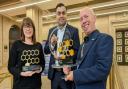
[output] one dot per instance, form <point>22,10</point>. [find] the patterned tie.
<point>86,40</point>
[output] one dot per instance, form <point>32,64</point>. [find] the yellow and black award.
<point>62,51</point>
<point>31,60</point>
<point>66,52</point>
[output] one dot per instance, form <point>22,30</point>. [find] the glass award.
<point>30,60</point>
<point>64,51</point>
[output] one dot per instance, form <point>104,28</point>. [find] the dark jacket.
<point>95,64</point>
<point>70,33</point>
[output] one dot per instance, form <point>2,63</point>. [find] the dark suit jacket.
<point>74,35</point>
<point>95,64</point>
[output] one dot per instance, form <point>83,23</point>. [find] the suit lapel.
<point>55,32</point>
<point>87,47</point>
<point>79,54</point>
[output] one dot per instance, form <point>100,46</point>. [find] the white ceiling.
<point>46,7</point>
<point>53,3</point>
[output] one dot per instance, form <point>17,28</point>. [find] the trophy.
<point>66,51</point>
<point>62,49</point>
<point>30,60</point>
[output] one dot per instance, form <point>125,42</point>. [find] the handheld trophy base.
<point>57,64</point>
<point>61,66</point>
<point>70,66</point>
<point>31,68</point>
<point>62,63</point>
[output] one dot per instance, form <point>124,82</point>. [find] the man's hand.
<point>27,73</point>
<point>55,56</point>
<point>69,76</point>
<point>54,40</point>
<point>66,69</point>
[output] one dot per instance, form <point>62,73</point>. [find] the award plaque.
<point>30,60</point>
<point>64,50</point>
<point>31,68</point>
<point>66,53</point>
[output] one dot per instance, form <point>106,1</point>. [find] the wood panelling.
<point>1,51</point>
<point>8,2</point>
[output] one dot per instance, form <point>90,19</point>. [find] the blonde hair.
<point>90,10</point>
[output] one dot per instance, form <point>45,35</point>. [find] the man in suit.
<point>95,55</point>
<point>63,31</point>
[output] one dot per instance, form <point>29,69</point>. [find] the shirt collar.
<point>63,29</point>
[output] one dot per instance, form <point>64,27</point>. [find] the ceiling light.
<point>108,5</point>
<point>21,6</point>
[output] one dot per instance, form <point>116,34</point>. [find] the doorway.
<point>14,34</point>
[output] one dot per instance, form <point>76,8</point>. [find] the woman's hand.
<point>27,73</point>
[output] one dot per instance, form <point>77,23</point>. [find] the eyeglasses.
<point>59,13</point>
<point>27,26</point>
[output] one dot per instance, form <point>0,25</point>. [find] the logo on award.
<point>31,60</point>
<point>66,51</point>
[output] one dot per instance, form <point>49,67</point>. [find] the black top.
<point>19,54</point>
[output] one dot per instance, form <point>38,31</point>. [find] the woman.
<point>26,59</point>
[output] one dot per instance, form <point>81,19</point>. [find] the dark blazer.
<point>74,35</point>
<point>95,64</point>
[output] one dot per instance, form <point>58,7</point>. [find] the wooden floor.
<point>45,83</point>
<point>6,84</point>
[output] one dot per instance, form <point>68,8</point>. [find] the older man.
<point>95,55</point>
